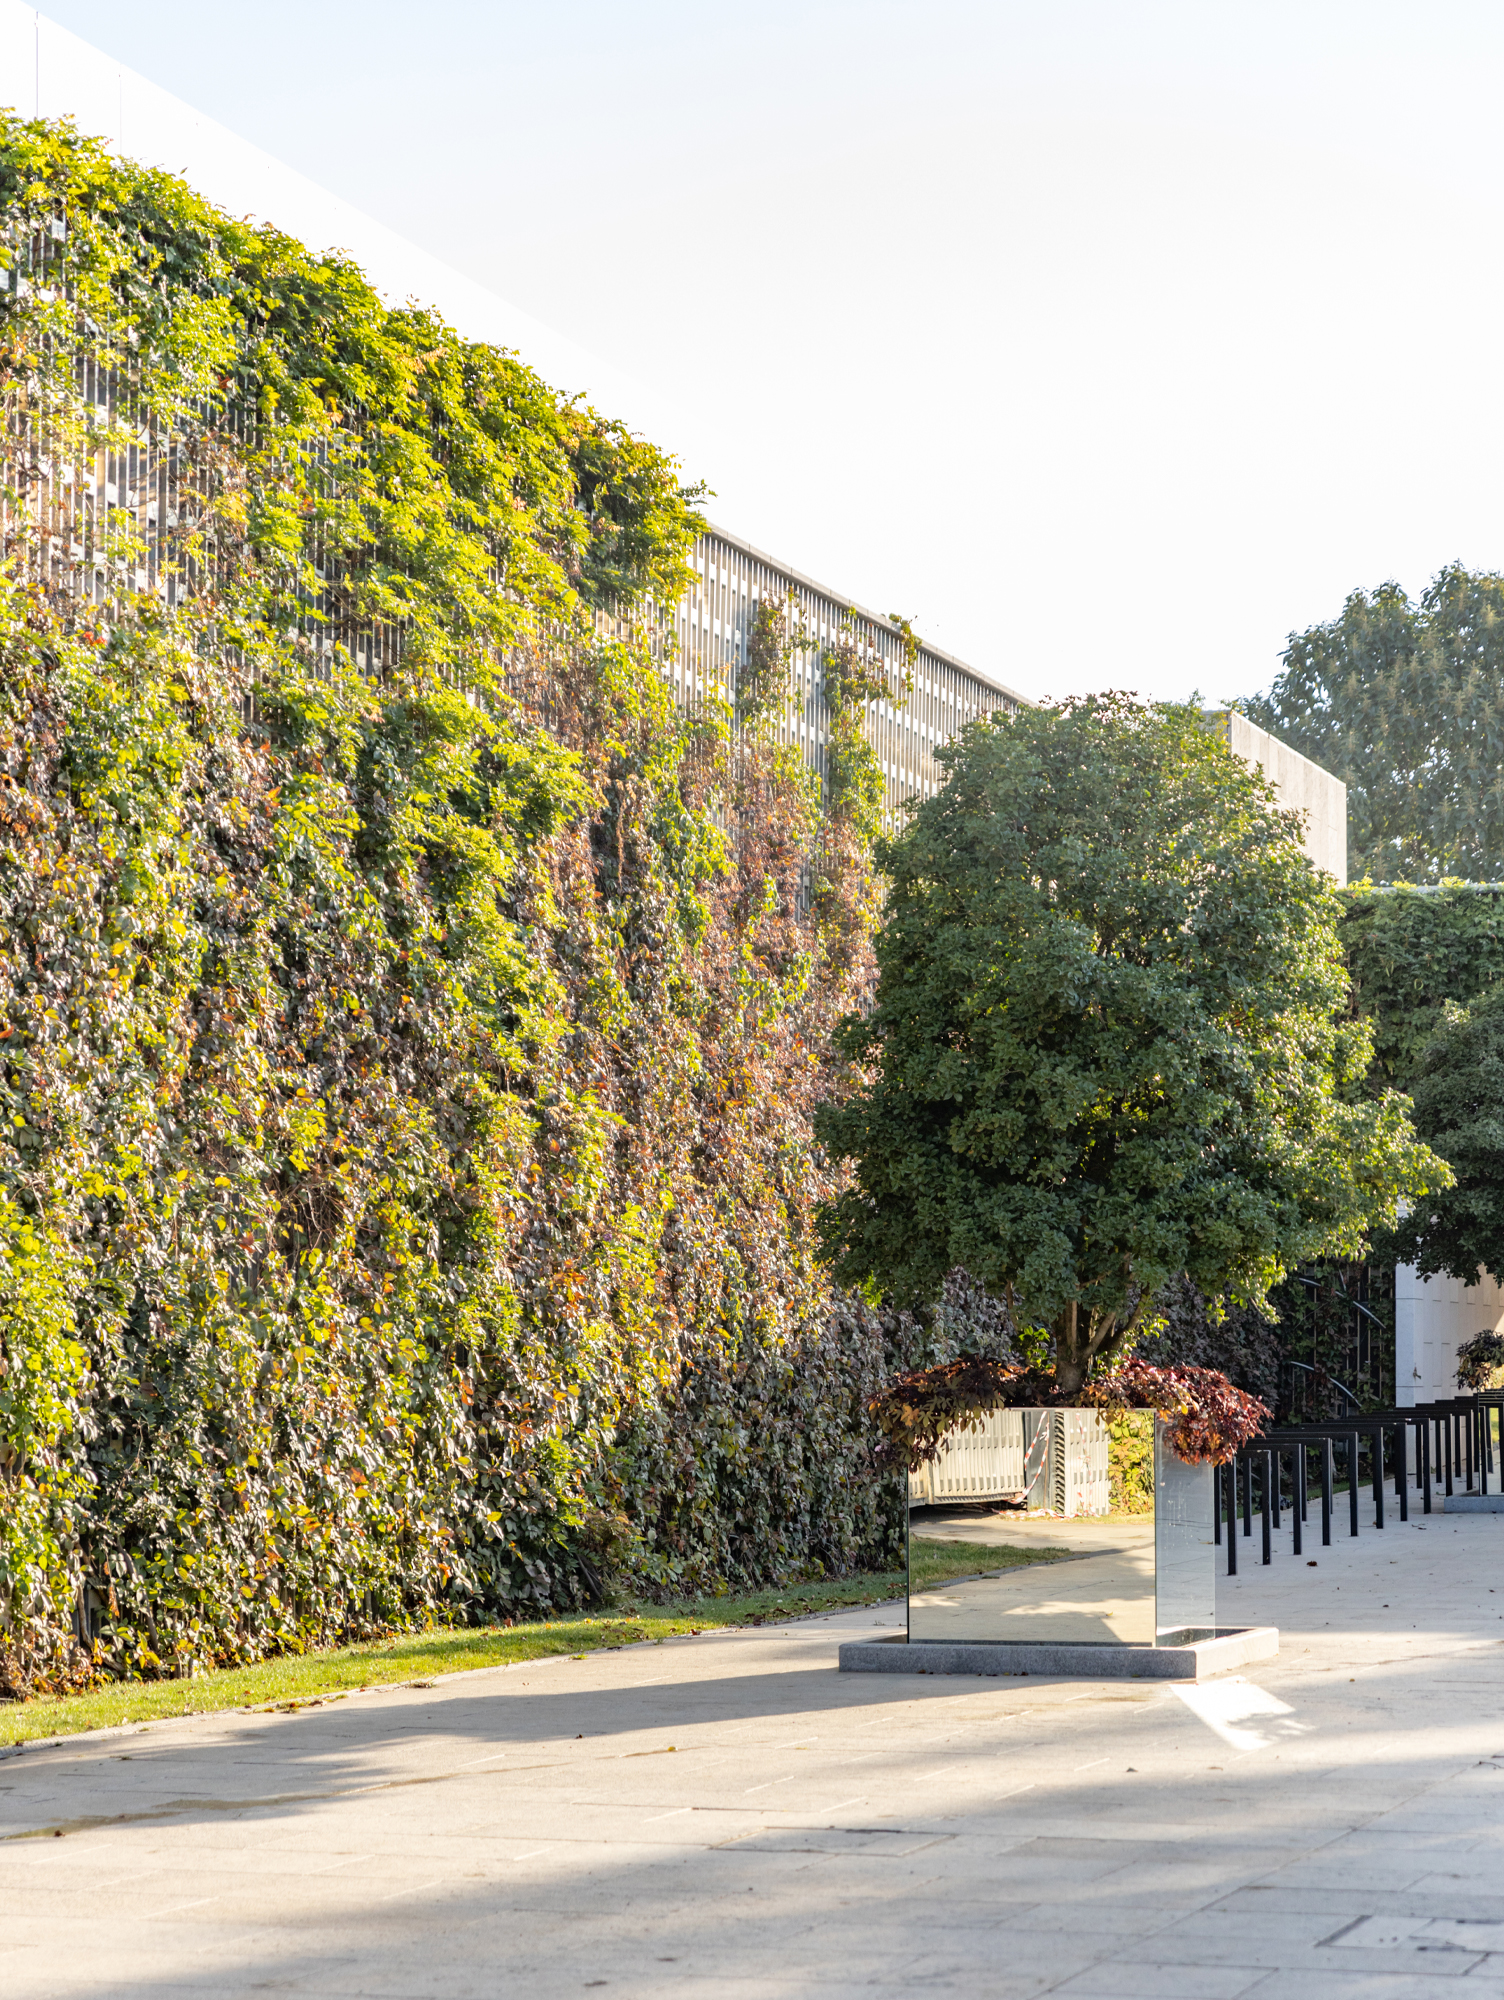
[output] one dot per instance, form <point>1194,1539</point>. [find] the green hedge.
<point>1409,952</point>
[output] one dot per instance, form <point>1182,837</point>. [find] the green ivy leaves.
<point>410,1024</point>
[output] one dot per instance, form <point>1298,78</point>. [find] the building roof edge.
<point>861,611</point>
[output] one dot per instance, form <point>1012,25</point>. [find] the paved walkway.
<point>726,1816</point>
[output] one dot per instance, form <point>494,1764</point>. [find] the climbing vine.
<point>410,1022</point>
<point>1409,952</point>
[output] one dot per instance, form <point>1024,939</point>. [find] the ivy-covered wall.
<point>406,1174</point>
<point>1409,952</point>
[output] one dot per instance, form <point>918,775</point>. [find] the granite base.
<point>1194,1662</point>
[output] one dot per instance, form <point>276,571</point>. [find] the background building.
<point>1433,1317</point>
<point>713,626</point>
<point>1302,786</point>
<point>47,72</point>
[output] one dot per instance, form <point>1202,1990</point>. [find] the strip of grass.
<point>293,1680</point>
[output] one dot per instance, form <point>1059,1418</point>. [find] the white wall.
<point>1432,1319</point>
<point>1302,787</point>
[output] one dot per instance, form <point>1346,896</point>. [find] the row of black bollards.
<point>1454,1441</point>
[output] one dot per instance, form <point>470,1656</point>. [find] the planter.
<point>1123,1592</point>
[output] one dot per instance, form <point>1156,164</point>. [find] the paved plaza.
<point>728,1816</point>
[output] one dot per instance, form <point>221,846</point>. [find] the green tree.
<point>1405,702</point>
<point>1459,1109</point>
<point>1110,1041</point>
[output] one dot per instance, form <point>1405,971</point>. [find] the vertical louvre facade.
<point>707,645</point>
<point>114,496</point>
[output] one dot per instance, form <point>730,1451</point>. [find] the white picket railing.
<point>1055,1459</point>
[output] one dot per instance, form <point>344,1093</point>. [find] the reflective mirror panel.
<point>1003,1456</point>
<point>1184,1549</point>
<point>1100,1590</point>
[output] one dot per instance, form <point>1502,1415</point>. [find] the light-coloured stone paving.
<point>727,1816</point>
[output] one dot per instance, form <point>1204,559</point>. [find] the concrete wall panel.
<point>1432,1319</point>
<point>1302,786</point>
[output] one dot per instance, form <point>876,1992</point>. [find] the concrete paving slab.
<point>1167,1982</point>
<point>529,1828</point>
<point>1401,1984</point>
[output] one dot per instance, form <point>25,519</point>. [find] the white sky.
<point>1110,339</point>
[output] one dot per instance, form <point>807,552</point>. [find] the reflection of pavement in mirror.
<point>1022,1531</point>
<point>1185,1553</point>
<point>1090,1599</point>
<point>1105,1595</point>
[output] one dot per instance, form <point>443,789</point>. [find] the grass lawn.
<point>294,1679</point>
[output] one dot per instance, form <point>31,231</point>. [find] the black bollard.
<point>1326,1492</point>
<point>1266,1471</point>
<point>1232,1517</point>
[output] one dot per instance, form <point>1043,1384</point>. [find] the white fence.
<point>1055,1459</point>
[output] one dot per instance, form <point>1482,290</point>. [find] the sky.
<point>1110,340</point>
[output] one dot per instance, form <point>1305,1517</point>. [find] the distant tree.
<point>1459,1108</point>
<point>1110,1040</point>
<point>1405,702</point>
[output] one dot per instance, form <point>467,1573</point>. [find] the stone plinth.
<point>1062,1661</point>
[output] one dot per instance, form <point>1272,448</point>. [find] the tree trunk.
<point>1072,1352</point>
<point>1070,1374</point>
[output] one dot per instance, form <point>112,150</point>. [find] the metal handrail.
<point>1354,1402</point>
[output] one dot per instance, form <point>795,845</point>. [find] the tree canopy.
<point>1111,1040</point>
<point>1405,702</point>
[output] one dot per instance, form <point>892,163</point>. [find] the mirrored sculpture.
<point>1121,1582</point>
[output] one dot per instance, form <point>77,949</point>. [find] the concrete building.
<point>1433,1317</point>
<point>713,625</point>
<point>47,72</point>
<point>714,622</point>
<point>1302,787</point>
